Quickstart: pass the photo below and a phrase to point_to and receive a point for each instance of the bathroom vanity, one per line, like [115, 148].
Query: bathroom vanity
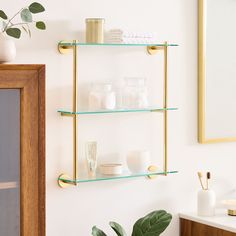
[219, 225]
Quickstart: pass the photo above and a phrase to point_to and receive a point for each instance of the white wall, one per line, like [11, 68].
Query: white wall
[74, 211]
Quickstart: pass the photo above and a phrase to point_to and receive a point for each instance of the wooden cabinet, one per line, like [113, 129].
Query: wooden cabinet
[22, 150]
[192, 228]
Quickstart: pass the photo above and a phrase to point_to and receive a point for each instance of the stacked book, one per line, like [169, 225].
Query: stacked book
[126, 37]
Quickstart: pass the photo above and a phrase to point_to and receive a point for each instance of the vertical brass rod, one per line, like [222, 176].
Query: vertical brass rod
[75, 122]
[165, 101]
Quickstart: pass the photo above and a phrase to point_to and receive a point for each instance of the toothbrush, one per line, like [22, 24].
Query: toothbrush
[200, 179]
[208, 177]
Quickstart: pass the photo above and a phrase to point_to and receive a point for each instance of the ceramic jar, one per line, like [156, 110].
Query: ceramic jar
[7, 49]
[206, 203]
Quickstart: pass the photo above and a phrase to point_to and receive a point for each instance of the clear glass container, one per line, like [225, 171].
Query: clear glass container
[135, 93]
[101, 96]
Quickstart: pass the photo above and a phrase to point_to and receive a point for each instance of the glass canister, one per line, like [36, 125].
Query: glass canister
[95, 30]
[135, 93]
[102, 96]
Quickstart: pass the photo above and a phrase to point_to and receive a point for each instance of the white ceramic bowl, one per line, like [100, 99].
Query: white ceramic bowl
[111, 169]
[138, 161]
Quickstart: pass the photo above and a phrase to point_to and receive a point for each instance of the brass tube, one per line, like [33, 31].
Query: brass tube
[75, 103]
[165, 101]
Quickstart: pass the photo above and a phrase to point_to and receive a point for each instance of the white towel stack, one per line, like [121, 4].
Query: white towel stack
[126, 37]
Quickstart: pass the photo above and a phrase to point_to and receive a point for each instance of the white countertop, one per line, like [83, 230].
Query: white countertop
[221, 220]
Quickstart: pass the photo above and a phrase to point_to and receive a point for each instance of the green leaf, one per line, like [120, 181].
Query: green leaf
[118, 229]
[3, 15]
[97, 232]
[152, 224]
[41, 25]
[14, 32]
[36, 7]
[26, 15]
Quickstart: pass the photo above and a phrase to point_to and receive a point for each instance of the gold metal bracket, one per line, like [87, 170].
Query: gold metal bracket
[152, 169]
[152, 50]
[67, 114]
[232, 212]
[64, 184]
[64, 49]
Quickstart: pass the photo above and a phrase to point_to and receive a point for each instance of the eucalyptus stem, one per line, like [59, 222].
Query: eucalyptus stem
[25, 23]
[13, 27]
[9, 21]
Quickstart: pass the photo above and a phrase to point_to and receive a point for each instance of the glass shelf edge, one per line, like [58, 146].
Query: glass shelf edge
[105, 178]
[118, 44]
[116, 111]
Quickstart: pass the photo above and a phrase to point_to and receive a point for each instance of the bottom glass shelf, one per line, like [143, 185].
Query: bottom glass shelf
[114, 177]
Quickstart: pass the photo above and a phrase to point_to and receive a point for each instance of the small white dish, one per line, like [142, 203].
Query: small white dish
[111, 169]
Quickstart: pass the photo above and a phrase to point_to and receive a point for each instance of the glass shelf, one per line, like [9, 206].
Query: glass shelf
[63, 43]
[114, 177]
[84, 112]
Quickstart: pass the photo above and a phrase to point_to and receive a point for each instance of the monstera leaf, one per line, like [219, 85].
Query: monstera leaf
[97, 232]
[117, 228]
[152, 224]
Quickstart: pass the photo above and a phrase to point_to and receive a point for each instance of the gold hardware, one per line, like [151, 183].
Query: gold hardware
[154, 49]
[67, 114]
[152, 169]
[64, 49]
[232, 212]
[64, 184]
[202, 79]
[165, 105]
[75, 105]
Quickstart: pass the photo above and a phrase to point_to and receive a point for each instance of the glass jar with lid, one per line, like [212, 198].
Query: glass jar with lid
[135, 94]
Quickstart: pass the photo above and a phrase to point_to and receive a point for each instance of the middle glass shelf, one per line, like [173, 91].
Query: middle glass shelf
[122, 110]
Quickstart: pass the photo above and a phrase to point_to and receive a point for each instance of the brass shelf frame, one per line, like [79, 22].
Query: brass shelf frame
[65, 47]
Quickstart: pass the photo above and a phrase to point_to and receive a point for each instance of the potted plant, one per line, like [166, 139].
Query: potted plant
[152, 224]
[9, 26]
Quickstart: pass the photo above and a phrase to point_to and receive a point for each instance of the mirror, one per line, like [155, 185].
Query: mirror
[217, 71]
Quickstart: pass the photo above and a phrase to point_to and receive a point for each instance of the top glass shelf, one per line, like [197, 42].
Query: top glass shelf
[64, 43]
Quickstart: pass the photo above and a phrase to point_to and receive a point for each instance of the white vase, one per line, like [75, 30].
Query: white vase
[206, 203]
[7, 49]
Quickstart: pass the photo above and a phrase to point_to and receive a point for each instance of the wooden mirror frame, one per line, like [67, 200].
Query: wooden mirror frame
[202, 79]
[30, 79]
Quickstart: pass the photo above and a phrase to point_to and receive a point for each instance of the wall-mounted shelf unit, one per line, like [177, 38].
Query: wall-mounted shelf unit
[66, 46]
